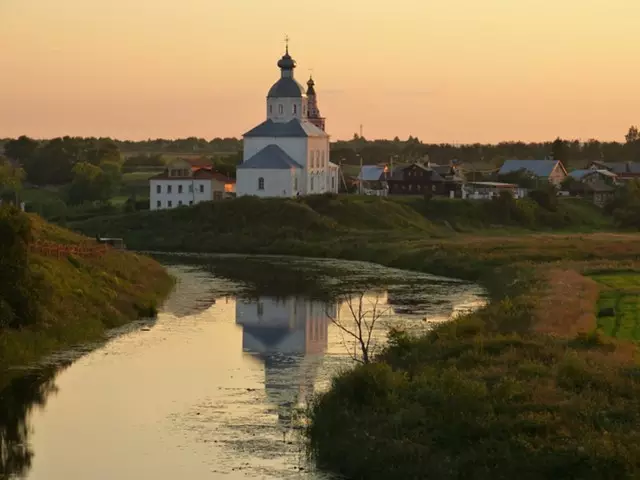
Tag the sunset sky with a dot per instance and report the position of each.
(444, 70)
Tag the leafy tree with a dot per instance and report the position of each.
(92, 183)
(633, 135)
(546, 197)
(523, 178)
(10, 177)
(20, 150)
(559, 150)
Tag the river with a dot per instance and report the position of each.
(216, 386)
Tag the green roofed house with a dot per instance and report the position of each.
(552, 171)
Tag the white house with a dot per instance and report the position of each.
(288, 154)
(184, 183)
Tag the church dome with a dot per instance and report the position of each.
(286, 62)
(286, 87)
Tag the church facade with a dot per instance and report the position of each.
(288, 154)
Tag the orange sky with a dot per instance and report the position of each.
(443, 70)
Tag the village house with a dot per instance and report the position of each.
(624, 171)
(598, 186)
(419, 179)
(188, 182)
(372, 180)
(488, 190)
(551, 171)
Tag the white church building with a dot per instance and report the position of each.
(288, 154)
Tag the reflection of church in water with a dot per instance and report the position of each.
(289, 335)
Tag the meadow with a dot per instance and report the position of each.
(619, 295)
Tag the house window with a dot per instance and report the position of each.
(304, 111)
(158, 189)
(158, 204)
(179, 188)
(180, 203)
(169, 204)
(280, 109)
(217, 195)
(295, 109)
(190, 202)
(191, 188)
(168, 188)
(261, 183)
(201, 188)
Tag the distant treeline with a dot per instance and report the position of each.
(572, 152)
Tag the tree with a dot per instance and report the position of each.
(559, 150)
(359, 326)
(91, 183)
(20, 150)
(633, 135)
(10, 177)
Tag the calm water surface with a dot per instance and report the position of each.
(215, 387)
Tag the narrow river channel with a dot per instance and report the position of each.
(214, 387)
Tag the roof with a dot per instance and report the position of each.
(198, 174)
(286, 87)
(397, 173)
(371, 173)
(540, 168)
(620, 168)
(293, 128)
(597, 186)
(579, 174)
(270, 157)
(494, 184)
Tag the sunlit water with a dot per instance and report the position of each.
(215, 388)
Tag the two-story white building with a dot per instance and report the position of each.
(183, 184)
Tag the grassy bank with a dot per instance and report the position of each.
(249, 224)
(76, 299)
(526, 387)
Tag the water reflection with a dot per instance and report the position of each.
(289, 335)
(17, 399)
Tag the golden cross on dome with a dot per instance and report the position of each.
(286, 42)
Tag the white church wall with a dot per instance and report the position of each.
(318, 165)
(295, 147)
(276, 183)
(282, 109)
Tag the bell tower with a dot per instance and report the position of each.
(313, 112)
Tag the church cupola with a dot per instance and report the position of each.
(286, 99)
(313, 111)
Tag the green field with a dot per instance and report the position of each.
(620, 291)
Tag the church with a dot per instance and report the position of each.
(288, 154)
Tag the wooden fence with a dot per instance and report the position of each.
(58, 250)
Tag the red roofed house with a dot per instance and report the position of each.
(187, 182)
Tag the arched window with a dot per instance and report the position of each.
(295, 183)
(322, 161)
(261, 183)
(295, 109)
(311, 186)
(270, 109)
(280, 109)
(311, 160)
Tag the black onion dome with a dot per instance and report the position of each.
(286, 62)
(311, 87)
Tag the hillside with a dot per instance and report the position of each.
(59, 288)
(249, 224)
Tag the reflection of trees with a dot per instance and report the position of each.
(17, 400)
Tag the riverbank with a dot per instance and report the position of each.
(526, 386)
(75, 296)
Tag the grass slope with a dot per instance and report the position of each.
(254, 225)
(620, 291)
(83, 297)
